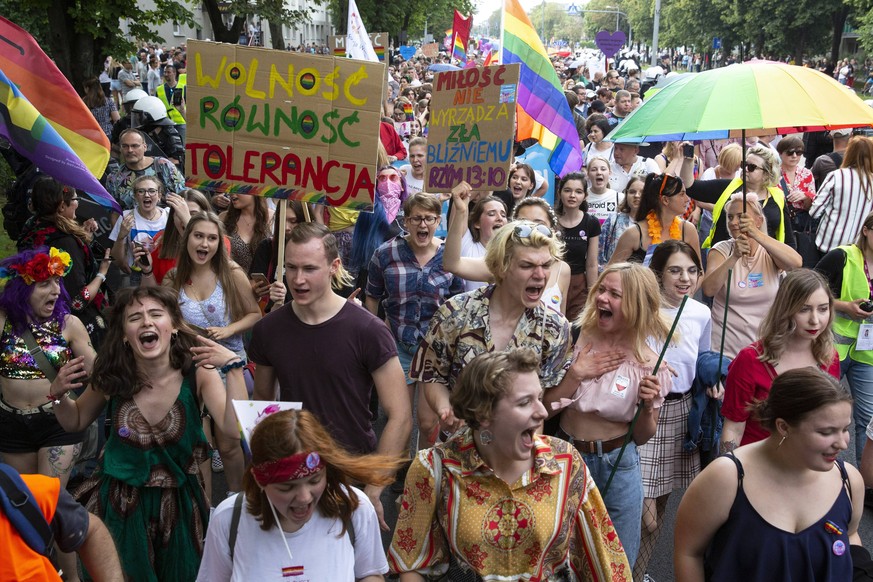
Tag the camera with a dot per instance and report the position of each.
(866, 306)
(688, 150)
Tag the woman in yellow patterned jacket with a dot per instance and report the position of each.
(499, 501)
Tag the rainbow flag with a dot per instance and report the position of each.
(461, 36)
(491, 59)
(35, 138)
(542, 112)
(54, 101)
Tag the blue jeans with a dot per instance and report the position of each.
(624, 499)
(405, 352)
(860, 379)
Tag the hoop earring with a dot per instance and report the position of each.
(486, 437)
(174, 337)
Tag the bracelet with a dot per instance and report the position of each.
(101, 276)
(57, 399)
(147, 273)
(231, 366)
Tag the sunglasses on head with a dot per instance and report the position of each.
(386, 177)
(525, 229)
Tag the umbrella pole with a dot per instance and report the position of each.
(744, 171)
(727, 299)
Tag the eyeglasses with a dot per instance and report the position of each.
(428, 220)
(794, 152)
(392, 177)
(752, 167)
(143, 191)
(677, 271)
(525, 229)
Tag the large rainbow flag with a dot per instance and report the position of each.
(47, 120)
(543, 112)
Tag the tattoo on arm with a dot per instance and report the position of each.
(726, 447)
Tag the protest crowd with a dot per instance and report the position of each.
(496, 382)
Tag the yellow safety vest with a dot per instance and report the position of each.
(161, 94)
(855, 286)
(778, 197)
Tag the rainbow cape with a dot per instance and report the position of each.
(45, 119)
(543, 112)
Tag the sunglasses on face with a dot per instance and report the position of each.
(752, 167)
(525, 229)
(794, 152)
(386, 177)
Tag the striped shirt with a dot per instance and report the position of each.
(842, 203)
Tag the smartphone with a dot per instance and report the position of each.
(688, 150)
(143, 259)
(260, 278)
(177, 98)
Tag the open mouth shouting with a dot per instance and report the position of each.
(148, 339)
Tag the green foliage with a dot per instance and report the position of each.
(401, 16)
(275, 12)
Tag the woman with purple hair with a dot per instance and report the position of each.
(35, 312)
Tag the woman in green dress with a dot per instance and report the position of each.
(157, 375)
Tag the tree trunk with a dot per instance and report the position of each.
(219, 29)
(276, 36)
(798, 48)
(839, 19)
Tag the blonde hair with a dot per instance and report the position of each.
(730, 157)
(772, 163)
(752, 203)
(501, 247)
(640, 306)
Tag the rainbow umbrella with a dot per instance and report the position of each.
(757, 97)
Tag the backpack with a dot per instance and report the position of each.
(17, 211)
(22, 511)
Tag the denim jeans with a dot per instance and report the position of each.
(624, 499)
(860, 379)
(405, 353)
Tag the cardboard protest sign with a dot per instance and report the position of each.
(282, 124)
(472, 126)
(430, 50)
(337, 44)
(250, 412)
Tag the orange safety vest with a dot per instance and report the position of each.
(17, 560)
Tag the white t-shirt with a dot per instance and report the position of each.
(618, 177)
(319, 554)
(475, 250)
(602, 206)
(695, 335)
(144, 231)
(413, 185)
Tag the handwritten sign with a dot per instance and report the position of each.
(609, 42)
(337, 44)
(430, 50)
(471, 130)
(283, 125)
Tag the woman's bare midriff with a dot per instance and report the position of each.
(588, 426)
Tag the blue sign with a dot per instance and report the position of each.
(407, 52)
(572, 10)
(716, 43)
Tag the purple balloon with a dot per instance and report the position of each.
(610, 42)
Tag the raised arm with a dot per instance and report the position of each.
(472, 269)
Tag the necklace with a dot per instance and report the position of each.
(655, 228)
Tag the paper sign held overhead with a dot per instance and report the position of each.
(283, 125)
(472, 128)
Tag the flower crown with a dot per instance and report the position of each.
(40, 268)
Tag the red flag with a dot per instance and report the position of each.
(461, 36)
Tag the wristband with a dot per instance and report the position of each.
(56, 399)
(228, 367)
(101, 276)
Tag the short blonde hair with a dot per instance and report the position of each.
(501, 247)
(640, 306)
(772, 163)
(752, 203)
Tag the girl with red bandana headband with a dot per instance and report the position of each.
(300, 515)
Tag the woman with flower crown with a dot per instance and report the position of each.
(658, 219)
(35, 313)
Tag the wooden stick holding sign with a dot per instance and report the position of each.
(280, 255)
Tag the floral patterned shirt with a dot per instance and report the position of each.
(803, 181)
(120, 183)
(551, 519)
(459, 331)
